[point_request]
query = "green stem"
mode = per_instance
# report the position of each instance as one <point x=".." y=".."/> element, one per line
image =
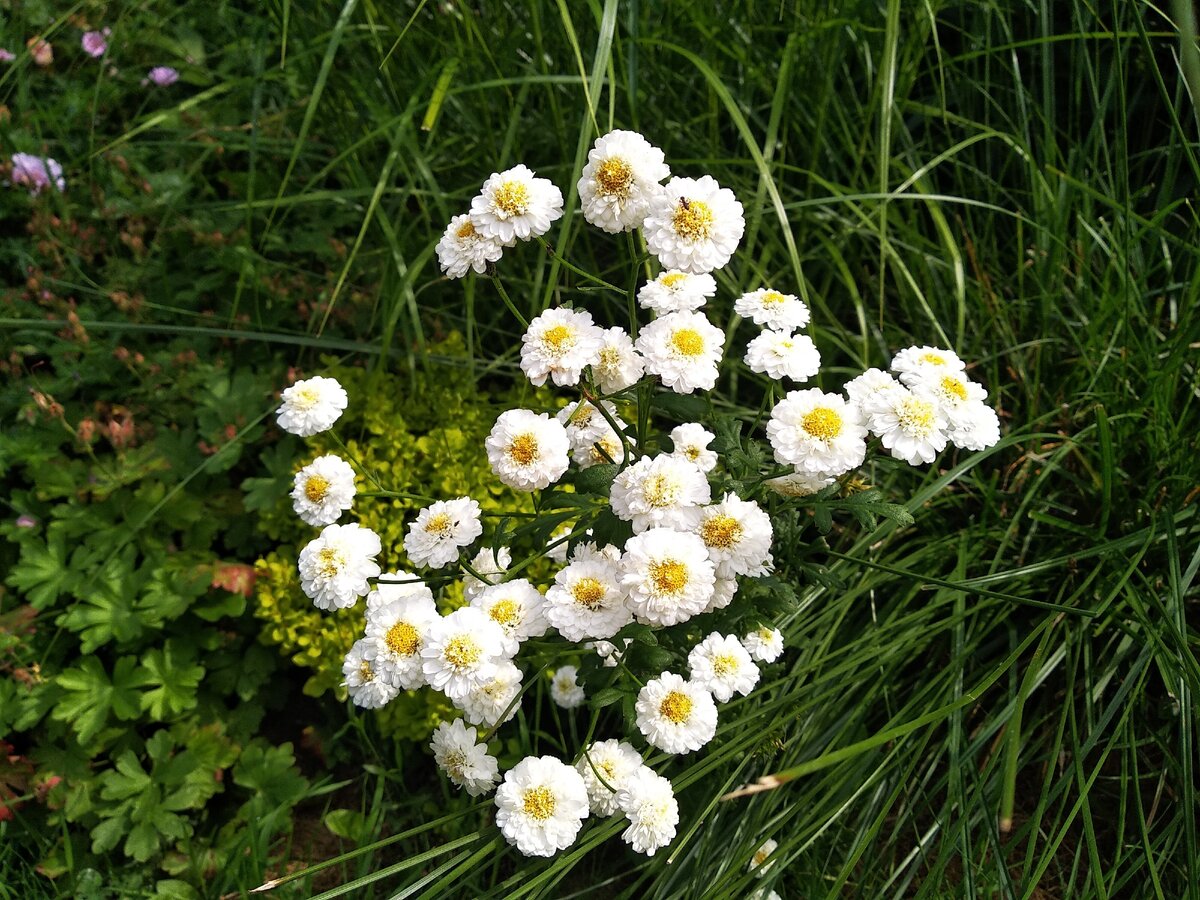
<point x="578" y="271"/>
<point x="508" y="302"/>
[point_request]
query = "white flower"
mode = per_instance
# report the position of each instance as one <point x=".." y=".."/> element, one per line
<point x="486" y="703"/>
<point x="514" y="205"/>
<point x="674" y="715"/>
<point x="817" y="432"/>
<point x="517" y="607"/>
<point x="648" y="800"/>
<point x="585" y="423"/>
<point x="668" y="575"/>
<point x="559" y="343"/>
<point x="527" y="450"/>
<point x="863" y="389"/>
<point x="605" y="448"/>
<point x="541" y="805"/>
<point x="440" y="530"/>
<point x="335" y="567"/>
<point x="323" y="490"/>
<point x="613" y="761"/>
<point x="586" y="551"/>
<point x="737" y="534"/>
<point x="564" y="689"/>
<point x="764" y="644"/>
<point x="587" y="600"/>
<point x="676" y="291"/>
<point x="462" y="652"/>
<point x="398" y="619"/>
<point x="759" y="860"/>
<point x="617" y="364"/>
<point x="489" y="563"/>
<point x="466" y="762"/>
<point x="363" y="680"/>
<point x="682" y="349"/>
<point x="779" y="355"/>
<point x="953" y="392"/>
<point x="607" y="651"/>
<point x="912" y="428"/>
<point x="694" y="225"/>
<point x="925" y="360"/>
<point x="660" y="490"/>
<point x="977" y="428"/>
<point x="799" y="484"/>
<point x="723" y="591"/>
<point x="721" y="665"/>
<point x="771" y="309"/>
<point x="621" y="177"/>
<point x="311" y="406"/>
<point x="691" y="443"/>
<point x="464" y="247"/>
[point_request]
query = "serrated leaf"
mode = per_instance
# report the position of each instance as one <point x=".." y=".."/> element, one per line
<point x="42" y="573"/>
<point x="90" y="695"/>
<point x="172" y="678"/>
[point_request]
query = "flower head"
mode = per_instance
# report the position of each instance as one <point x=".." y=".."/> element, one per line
<point x="862" y="389"/>
<point x="668" y="575"/>
<point x="463" y="247"/>
<point x="364" y="680"/>
<point x="976" y="427"/>
<point x="527" y="450"/>
<point x="694" y="225"/>
<point x="399" y="617"/>
<point x="564" y="689"/>
<point x="37" y="173"/>
<point x="617" y="365"/>
<point x="620" y="179"/>
<point x="737" y="534"/>
<point x="441" y="530"/>
<point x="817" y="432"/>
<point x="41" y="50"/>
<point x="912" y="427"/>
<point x="799" y="484"/>
<point x="311" y="406"/>
<point x="771" y="309"/>
<point x="462" y="652"/>
<point x="558" y="344"/>
<point x="648" y="800"/>
<point x="664" y="490"/>
<point x="764" y="644"/>
<point x="682" y="349"/>
<point x="323" y="490"/>
<point x="514" y="205"/>
<point x="759" y="860"/>
<point x="162" y="76"/>
<point x="674" y="715"/>
<point x="464" y="761"/>
<point x="779" y="355"/>
<point x="919" y="361"/>
<point x="605" y="767"/>
<point x="95" y="43"/>
<point x="587" y="600"/>
<point x="691" y="443"/>
<point x="720" y="664"/>
<point x="676" y="291"/>
<point x="485" y="703"/>
<point x="491" y="565"/>
<point x="541" y="805"/>
<point x="517" y="607"/>
<point x="335" y="567"/>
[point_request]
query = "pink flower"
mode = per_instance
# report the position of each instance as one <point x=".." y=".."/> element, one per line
<point x="41" y="51"/>
<point x="36" y="173"/>
<point x="94" y="43"/>
<point x="6" y="55"/>
<point x="26" y="522"/>
<point x="163" y="76"/>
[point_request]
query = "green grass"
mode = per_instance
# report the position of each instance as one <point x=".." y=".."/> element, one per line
<point x="1013" y="180"/>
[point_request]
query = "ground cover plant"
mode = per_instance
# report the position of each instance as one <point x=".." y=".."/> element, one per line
<point x="997" y="698"/>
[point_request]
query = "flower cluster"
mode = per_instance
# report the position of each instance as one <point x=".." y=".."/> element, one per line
<point x="659" y="539"/>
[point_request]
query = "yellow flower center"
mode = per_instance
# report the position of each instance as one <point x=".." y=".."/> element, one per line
<point x="721" y="531"/>
<point x="316" y="488"/>
<point x="402" y="639"/>
<point x="673" y="278"/>
<point x="934" y="359"/>
<point x="307" y="397"/>
<point x="506" y="613"/>
<point x="954" y="387"/>
<point x="609" y="445"/>
<point x="455" y="761"/>
<point x="511" y="198"/>
<point x="330" y="561"/>
<point x="614" y="176"/>
<point x="607" y="769"/>
<point x="822" y="423"/>
<point x="610" y="359"/>
<point x="365" y="672"/>
<point x="558" y="339"/>
<point x="440" y="524"/>
<point x="588" y="592"/>
<point x="724" y="664"/>
<point x="676" y="707"/>
<point x="524" y="449"/>
<point x="462" y="652"/>
<point x="669" y="576"/>
<point x="772" y="298"/>
<point x="916" y="417"/>
<point x="687" y="341"/>
<point x="661" y="490"/>
<point x="692" y="452"/>
<point x="766" y="634"/>
<point x="693" y="219"/>
<point x="466" y="230"/>
<point x="761" y="857"/>
<point x="538" y="802"/>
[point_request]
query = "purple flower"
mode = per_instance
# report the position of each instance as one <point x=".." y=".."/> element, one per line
<point x="6" y="55"/>
<point x="26" y="521"/>
<point x="94" y="43"/>
<point x="163" y="75"/>
<point x="36" y="173"/>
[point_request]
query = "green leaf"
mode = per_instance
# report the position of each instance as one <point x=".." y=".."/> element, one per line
<point x="347" y="823"/>
<point x="90" y="696"/>
<point x="685" y="407"/>
<point x="606" y="697"/>
<point x="172" y="678"/>
<point x="42" y="573"/>
<point x="596" y="479"/>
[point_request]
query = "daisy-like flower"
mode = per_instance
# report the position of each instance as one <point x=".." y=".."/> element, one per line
<point x="466" y="762"/>
<point x="588" y="551"/>
<point x="817" y="432"/>
<point x="564" y="689"/>
<point x="920" y="361"/>
<point x="514" y="205"/>
<point x="737" y="534"/>
<point x="691" y="443"/>
<point x="335" y="567"/>
<point x="953" y="393"/>
<point x="722" y="666"/>
<point x="541" y="805"/>
<point x="399" y="617"/>
<point x="605" y="767"/>
<point x="664" y="490"/>
<point x="311" y="406"/>
<point x="463" y="247"/>
<point x="668" y="575"/>
<point x="517" y="607"/>
<point x="587" y="600"/>
<point x="779" y="355"/>
<point x="323" y="490"/>
<point x="764" y="644"/>
<point x="771" y="309"/>
<point x="606" y="447"/>
<point x="977" y="428"/>
<point x="676" y="291"/>
<point x="648" y="800"/>
<point x="485" y="704"/>
<point x="608" y="652"/>
<point x="617" y="364"/>
<point x="862" y="390"/>
<point x="674" y="715"/>
<point x="682" y="349"/>
<point x="491" y="564"/>
<point x="799" y="484"/>
<point x="723" y="591"/>
<point x="694" y="225"/>
<point x="585" y="423"/>
<point x="162" y="76"/>
<point x="558" y="344"/>
<point x="462" y="652"/>
<point x="759" y="860"/>
<point x="364" y="681"/>
<point x="441" y="530"/>
<point x="95" y="43"/>
<point x="528" y="451"/>
<point x="621" y="177"/>
<point x="911" y="427"/>
<point x="37" y="173"/>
